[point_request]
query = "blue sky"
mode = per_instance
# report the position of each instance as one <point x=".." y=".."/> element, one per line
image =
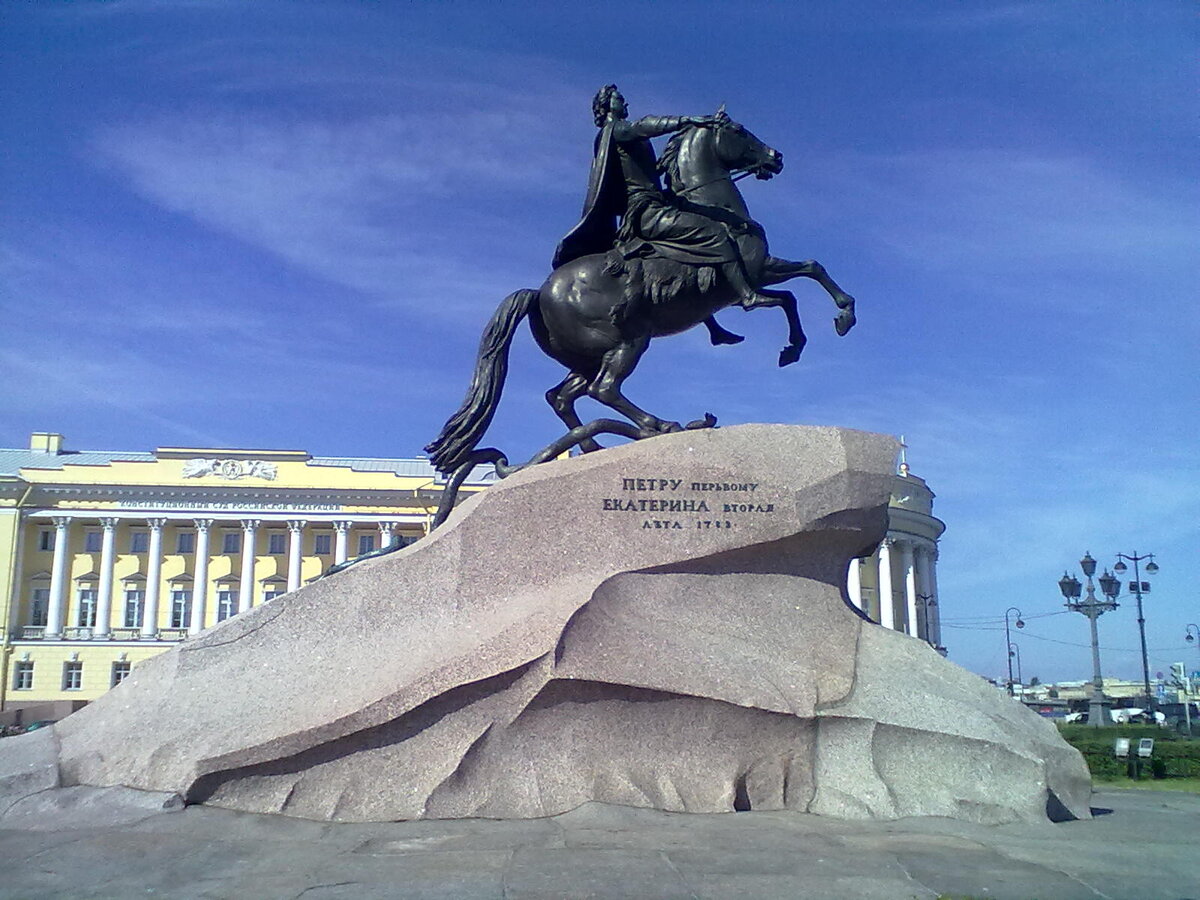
<point x="283" y="224"/>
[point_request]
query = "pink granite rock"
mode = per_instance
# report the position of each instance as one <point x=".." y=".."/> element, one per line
<point x="660" y="624"/>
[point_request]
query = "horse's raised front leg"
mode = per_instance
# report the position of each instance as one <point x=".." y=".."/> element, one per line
<point x="618" y="364"/>
<point x="786" y="301"/>
<point x="562" y="399"/>
<point x="776" y="271"/>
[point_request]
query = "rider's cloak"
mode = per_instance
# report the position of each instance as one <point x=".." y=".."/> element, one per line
<point x="653" y="222"/>
<point x="597" y="228"/>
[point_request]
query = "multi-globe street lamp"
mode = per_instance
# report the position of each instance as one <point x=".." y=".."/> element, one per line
<point x="1093" y="609"/>
<point x="1008" y="642"/>
<point x="1139" y="587"/>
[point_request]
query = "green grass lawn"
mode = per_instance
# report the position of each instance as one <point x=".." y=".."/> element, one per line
<point x="1188" y="785"/>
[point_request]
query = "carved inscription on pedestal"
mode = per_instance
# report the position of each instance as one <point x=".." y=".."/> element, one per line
<point x="676" y="504"/>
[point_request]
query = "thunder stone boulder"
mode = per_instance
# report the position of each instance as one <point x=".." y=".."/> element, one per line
<point x="661" y="624"/>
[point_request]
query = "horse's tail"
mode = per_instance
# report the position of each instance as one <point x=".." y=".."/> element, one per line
<point x="464" y="430"/>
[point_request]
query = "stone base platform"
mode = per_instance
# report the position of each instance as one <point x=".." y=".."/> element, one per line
<point x="107" y="843"/>
<point x="661" y="624"/>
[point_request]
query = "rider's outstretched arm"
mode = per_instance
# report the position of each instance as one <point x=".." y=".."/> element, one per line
<point x="657" y="126"/>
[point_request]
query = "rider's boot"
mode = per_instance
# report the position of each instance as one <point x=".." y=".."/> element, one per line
<point x="739" y="281"/>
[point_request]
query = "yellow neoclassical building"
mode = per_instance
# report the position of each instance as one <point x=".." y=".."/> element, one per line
<point x="107" y="558"/>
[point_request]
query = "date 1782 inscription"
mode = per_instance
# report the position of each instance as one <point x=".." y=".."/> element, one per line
<point x="716" y="508"/>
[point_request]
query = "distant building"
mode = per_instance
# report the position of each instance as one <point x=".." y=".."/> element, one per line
<point x="896" y="585"/>
<point x="109" y="557"/>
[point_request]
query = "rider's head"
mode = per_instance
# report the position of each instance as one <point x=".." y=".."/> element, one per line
<point x="608" y="99"/>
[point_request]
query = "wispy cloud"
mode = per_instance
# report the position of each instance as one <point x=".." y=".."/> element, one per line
<point x="372" y="203"/>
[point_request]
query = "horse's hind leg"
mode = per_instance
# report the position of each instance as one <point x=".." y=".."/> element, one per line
<point x="776" y="271"/>
<point x="618" y="364"/>
<point x="562" y="399"/>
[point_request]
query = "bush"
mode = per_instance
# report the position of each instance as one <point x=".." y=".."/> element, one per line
<point x="1173" y="757"/>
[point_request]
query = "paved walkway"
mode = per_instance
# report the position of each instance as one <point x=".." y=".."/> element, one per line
<point x="88" y="842"/>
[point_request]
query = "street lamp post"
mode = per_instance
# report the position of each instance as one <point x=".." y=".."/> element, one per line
<point x="1139" y="587"/>
<point x="1008" y="642"/>
<point x="1014" y="650"/>
<point x="1195" y="685"/>
<point x="928" y="600"/>
<point x="1093" y="609"/>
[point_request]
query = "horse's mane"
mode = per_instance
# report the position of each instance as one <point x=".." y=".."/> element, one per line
<point x="668" y="162"/>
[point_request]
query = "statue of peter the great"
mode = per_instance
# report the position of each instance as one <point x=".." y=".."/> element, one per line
<point x="624" y="184"/>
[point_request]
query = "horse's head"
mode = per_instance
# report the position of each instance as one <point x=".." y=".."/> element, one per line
<point x="696" y="156"/>
<point x="738" y="148"/>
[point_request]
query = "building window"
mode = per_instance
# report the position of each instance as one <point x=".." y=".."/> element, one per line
<point x="366" y="543"/>
<point x="37" y="606"/>
<point x="72" y="676"/>
<point x="91" y="542"/>
<point x="23" y="676"/>
<point x="185" y="542"/>
<point x="133" y="607"/>
<point x="120" y="671"/>
<point x="277" y="542"/>
<point x="270" y="595"/>
<point x="181" y="608"/>
<point x="46" y="539"/>
<point x="323" y="544"/>
<point x="87" y="608"/>
<point x="231" y="542"/>
<point x="139" y="541"/>
<point x="226" y="604"/>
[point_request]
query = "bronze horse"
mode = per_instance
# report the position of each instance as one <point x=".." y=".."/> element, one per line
<point x="581" y="315"/>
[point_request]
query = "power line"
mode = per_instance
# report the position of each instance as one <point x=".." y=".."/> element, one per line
<point x="1038" y="637"/>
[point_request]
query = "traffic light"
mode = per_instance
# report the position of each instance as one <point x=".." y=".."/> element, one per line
<point x="1178" y="674"/>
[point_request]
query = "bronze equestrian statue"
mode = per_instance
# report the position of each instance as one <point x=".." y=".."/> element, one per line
<point x="643" y="262"/>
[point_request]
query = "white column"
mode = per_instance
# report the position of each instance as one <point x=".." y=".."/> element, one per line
<point x="908" y="567"/>
<point x="295" y="541"/>
<point x="200" y="584"/>
<point x="58" y="577"/>
<point x="887" y="613"/>
<point x="246" y="585"/>
<point x="153" y="579"/>
<point x="108" y="543"/>
<point x="341" y="549"/>
<point x="385" y="533"/>
<point x="854" y="582"/>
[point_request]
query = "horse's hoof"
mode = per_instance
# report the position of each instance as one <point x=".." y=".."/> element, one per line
<point x="844" y="321"/>
<point x="588" y="446"/>
<point x="709" y="421"/>
<point x="789" y="355"/>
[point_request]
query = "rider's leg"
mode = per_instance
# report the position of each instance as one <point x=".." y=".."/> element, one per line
<point x="618" y="365"/>
<point x="562" y="399"/>
<point x="739" y="282"/>
<point x="718" y="335"/>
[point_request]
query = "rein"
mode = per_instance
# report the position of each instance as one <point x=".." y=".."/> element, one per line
<point x="696" y="187"/>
